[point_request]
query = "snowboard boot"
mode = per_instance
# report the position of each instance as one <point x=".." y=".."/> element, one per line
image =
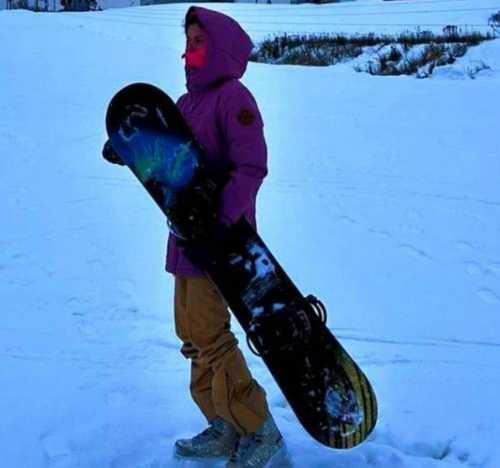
<point x="264" y="448"/>
<point x="218" y="440"/>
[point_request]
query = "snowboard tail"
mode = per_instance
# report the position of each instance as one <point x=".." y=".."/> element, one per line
<point x="326" y="389"/>
<point x="328" y="392"/>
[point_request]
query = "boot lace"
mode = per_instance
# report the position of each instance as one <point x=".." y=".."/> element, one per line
<point x="210" y="432"/>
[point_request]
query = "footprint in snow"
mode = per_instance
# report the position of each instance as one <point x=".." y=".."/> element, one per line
<point x="381" y="233"/>
<point x="56" y="450"/>
<point x="488" y="296"/>
<point x="347" y="219"/>
<point x="473" y="268"/>
<point x="465" y="246"/>
<point x="494" y="267"/>
<point x="415" y="252"/>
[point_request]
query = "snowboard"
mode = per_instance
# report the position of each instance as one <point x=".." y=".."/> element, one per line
<point x="330" y="395"/>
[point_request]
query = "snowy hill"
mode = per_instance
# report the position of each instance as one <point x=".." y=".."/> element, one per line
<point x="392" y="217"/>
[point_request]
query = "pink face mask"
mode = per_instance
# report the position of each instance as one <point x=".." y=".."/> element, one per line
<point x="196" y="58"/>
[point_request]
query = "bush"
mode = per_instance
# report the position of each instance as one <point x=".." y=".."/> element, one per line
<point x="319" y="50"/>
<point x="419" y="61"/>
<point x="406" y="53"/>
<point x="494" y="22"/>
<point x="18" y="5"/>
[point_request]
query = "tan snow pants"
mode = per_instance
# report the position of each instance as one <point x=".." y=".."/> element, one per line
<point x="221" y="384"/>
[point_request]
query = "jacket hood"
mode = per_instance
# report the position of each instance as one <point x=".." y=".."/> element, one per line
<point x="229" y="49"/>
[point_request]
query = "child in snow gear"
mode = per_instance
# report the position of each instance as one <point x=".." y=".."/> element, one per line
<point x="225" y="118"/>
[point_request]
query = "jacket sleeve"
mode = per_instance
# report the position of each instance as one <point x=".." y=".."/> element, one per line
<point x="243" y="130"/>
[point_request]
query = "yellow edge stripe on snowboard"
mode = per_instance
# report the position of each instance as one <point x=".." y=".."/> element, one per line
<point x="365" y="396"/>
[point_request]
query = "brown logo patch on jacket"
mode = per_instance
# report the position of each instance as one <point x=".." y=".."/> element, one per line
<point x="246" y="117"/>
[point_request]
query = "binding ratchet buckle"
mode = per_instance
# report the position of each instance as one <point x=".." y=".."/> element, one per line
<point x="318" y="308"/>
<point x="273" y="334"/>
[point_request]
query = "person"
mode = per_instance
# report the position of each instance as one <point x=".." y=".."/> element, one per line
<point x="225" y="119"/>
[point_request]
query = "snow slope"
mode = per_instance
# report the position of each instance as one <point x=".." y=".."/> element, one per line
<point x="392" y="218"/>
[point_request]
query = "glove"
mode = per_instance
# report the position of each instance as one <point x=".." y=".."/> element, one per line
<point x="204" y="252"/>
<point x="109" y="154"/>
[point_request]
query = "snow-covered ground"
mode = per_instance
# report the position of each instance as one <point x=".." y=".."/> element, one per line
<point x="392" y="196"/>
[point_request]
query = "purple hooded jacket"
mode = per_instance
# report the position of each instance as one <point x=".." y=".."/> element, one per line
<point x="225" y="119"/>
